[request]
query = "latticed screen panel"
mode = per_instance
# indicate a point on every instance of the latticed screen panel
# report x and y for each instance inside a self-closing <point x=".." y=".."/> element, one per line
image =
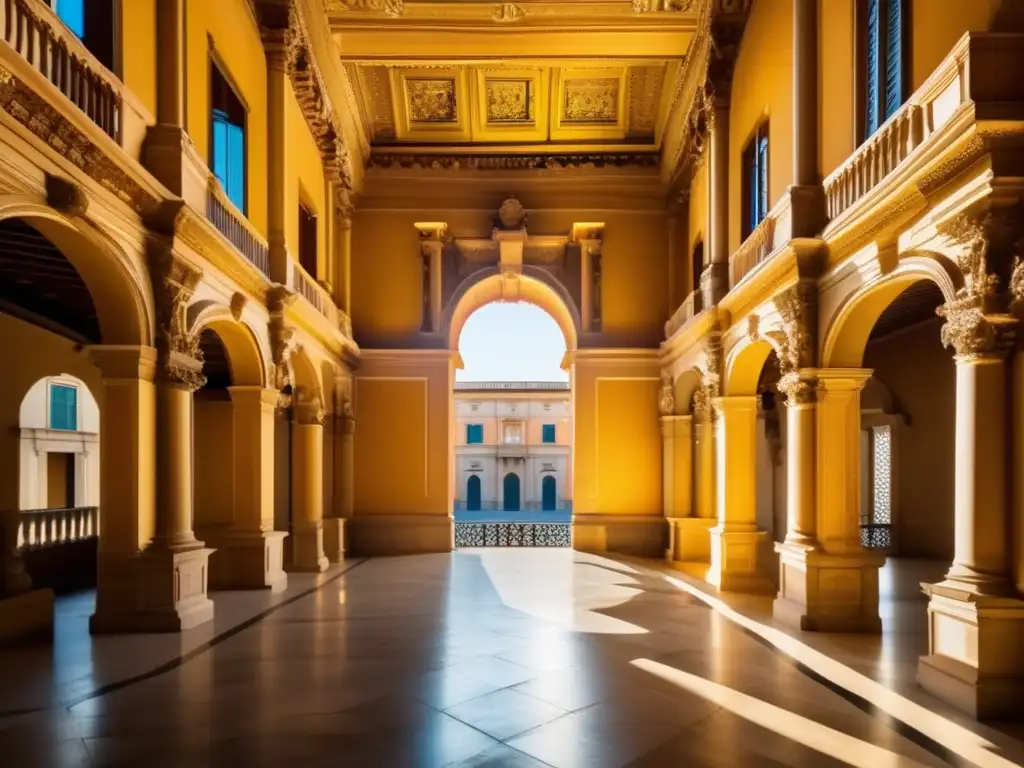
<point x="877" y="533"/>
<point x="513" y="535"/>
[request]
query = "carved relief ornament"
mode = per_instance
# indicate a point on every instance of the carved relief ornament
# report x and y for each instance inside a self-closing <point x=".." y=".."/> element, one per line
<point x="174" y="284"/>
<point x="974" y="327"/>
<point x="282" y="336"/>
<point x="797" y="306"/>
<point x="390" y="8"/>
<point x="667" y="395"/>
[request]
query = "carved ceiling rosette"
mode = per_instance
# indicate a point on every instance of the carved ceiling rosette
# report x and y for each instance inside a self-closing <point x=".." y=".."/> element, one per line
<point x="174" y="284"/>
<point x="976" y="321"/>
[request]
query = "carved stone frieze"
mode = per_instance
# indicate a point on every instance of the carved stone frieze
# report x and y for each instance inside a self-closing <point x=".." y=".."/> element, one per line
<point x="282" y="336"/>
<point x="390" y="8"/>
<point x="513" y="162"/>
<point x="797" y="306"/>
<point x="31" y="110"/>
<point x="667" y="394"/>
<point x="678" y="6"/>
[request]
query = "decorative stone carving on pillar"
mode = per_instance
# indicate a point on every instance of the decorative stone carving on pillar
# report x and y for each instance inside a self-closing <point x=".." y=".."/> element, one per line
<point x="282" y="336"/>
<point x="433" y="236"/>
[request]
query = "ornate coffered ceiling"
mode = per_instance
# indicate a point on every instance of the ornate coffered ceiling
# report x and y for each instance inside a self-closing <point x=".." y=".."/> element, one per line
<point x="475" y="105"/>
<point x="539" y="75"/>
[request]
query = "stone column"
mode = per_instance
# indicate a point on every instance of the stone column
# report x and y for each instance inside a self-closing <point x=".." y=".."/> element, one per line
<point x="975" y="617"/>
<point x="432" y="236"/>
<point x="344" y="491"/>
<point x="679" y="496"/>
<point x="714" y="281"/>
<point x="307" y="488"/>
<point x="127" y="477"/>
<point x="343" y="284"/>
<point x="278" y="94"/>
<point x="736" y="540"/>
<point x="250" y="555"/>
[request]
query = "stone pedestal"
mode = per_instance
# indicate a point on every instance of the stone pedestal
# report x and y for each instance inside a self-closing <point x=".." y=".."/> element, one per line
<point x="975" y="661"/>
<point x="247" y="560"/>
<point x="736" y="561"/>
<point x="819" y="592"/>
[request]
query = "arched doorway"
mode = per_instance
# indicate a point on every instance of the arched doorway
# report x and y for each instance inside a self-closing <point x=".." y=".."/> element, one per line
<point x="510" y="492"/>
<point x="549" y="498"/>
<point x="473" y="493"/>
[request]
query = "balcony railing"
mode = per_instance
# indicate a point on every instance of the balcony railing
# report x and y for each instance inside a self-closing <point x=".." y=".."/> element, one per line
<point x="928" y="109"/>
<point x="688" y="310"/>
<point x="755" y="249"/>
<point x="38" y="528"/>
<point x="35" y="32"/>
<point x="231" y="223"/>
<point x="300" y="281"/>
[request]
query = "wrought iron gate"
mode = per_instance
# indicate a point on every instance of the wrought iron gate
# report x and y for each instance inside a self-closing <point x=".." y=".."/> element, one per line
<point x="513" y="535"/>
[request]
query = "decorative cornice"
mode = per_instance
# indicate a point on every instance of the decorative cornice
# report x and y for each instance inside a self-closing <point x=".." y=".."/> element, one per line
<point x="390" y="8"/>
<point x="512" y="162"/>
<point x="677" y="6"/>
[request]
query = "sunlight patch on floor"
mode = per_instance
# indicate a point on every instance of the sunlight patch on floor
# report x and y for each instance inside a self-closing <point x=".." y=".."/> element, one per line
<point x="956" y="738"/>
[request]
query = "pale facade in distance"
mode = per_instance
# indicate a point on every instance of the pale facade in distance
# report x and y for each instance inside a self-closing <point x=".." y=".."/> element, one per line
<point x="513" y="446"/>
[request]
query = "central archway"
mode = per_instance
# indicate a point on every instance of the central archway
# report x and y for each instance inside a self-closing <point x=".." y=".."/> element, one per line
<point x="510" y="449"/>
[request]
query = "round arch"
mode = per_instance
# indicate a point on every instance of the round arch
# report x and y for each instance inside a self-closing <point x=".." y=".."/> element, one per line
<point x="686" y="385"/>
<point x="745" y="362"/>
<point x="245" y="358"/>
<point x="847" y="335"/>
<point x="121" y="306"/>
<point x="304" y="376"/>
<point x="488" y="286"/>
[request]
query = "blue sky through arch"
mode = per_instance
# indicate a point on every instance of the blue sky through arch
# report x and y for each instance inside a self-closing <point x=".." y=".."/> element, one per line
<point x="507" y="341"/>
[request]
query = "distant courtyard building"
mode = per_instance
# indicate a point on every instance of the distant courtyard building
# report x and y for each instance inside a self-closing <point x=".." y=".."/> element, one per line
<point x="513" y="446"/>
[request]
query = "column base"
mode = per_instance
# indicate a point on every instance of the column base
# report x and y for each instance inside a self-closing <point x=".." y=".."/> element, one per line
<point x="382" y="534"/>
<point x="26" y="617"/>
<point x="308" y="548"/>
<point x="736" y="561"/>
<point x="820" y="592"/>
<point x="158" y="590"/>
<point x="334" y="539"/>
<point x="974" y="641"/>
<point x="246" y="559"/>
<point x="638" y="535"/>
<point x="691" y="540"/>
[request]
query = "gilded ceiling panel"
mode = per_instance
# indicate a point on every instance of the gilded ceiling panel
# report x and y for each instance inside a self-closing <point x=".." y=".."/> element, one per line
<point x="431" y="100"/>
<point x="591" y="100"/>
<point x="509" y="101"/>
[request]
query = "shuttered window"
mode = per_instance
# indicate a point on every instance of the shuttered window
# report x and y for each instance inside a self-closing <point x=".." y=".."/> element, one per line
<point x="755" y="180"/>
<point x="884" y="53"/>
<point x="548" y="435"/>
<point x="228" y="126"/>
<point x="63" y="407"/>
<point x="474" y="433"/>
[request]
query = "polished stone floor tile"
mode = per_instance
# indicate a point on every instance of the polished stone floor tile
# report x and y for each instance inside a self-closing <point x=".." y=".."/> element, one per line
<point x="518" y="658"/>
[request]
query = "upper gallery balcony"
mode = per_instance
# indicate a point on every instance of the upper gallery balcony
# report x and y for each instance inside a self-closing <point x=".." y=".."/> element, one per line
<point x="51" y="61"/>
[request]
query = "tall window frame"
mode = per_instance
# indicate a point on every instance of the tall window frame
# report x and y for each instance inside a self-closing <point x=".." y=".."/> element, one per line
<point x="96" y="23"/>
<point x="308" y="246"/>
<point x="62" y="410"/>
<point x="754" y="167"/>
<point x="229" y="133"/>
<point x="883" y="62"/>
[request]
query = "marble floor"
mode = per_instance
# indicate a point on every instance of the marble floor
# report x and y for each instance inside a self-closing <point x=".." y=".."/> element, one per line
<point x="497" y="657"/>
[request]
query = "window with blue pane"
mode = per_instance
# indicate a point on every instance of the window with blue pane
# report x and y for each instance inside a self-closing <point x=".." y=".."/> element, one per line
<point x="548" y="433"/>
<point x="92" y="22"/>
<point x="72" y="13"/>
<point x="63" y="407"/>
<point x="755" y="180"/>
<point x="883" y="54"/>
<point x="474" y="433"/>
<point x="227" y="148"/>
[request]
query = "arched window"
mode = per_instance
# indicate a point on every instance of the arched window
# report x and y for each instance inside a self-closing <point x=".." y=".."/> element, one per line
<point x="511" y="487"/>
<point x="549" y="499"/>
<point x="473" y="493"/>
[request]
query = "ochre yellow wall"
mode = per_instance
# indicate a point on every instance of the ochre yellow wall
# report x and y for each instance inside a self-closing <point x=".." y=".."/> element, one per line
<point x="836" y="62"/>
<point x="617" y="437"/>
<point x="402" y="449"/>
<point x="938" y="24"/>
<point x="30" y="353"/>
<point x="213" y="461"/>
<point x="698" y="229"/>
<point x="305" y="171"/>
<point x="386" y="267"/>
<point x="138" y="50"/>
<point x="924" y="391"/>
<point x="762" y="87"/>
<point x="237" y="41"/>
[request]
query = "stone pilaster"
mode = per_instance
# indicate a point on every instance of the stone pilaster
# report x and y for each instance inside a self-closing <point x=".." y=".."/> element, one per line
<point x="307" y="488"/>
